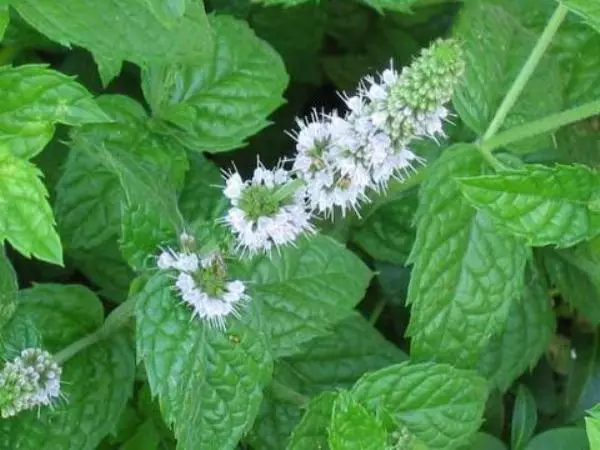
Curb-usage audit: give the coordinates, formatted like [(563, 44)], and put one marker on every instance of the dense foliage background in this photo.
[(123, 112)]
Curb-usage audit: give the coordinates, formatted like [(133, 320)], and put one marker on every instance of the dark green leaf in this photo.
[(588, 9), (524, 419), (306, 289), (4, 19), (440, 405), (312, 431), (217, 105), (209, 381), (543, 205), (560, 439), (8, 288), (466, 274)]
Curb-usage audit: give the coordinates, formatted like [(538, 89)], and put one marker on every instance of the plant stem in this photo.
[(287, 394), (377, 310), (526, 71), (487, 155), (541, 126), (116, 320)]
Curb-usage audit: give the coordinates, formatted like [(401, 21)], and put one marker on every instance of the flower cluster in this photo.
[(32, 379), (202, 283), (267, 211)]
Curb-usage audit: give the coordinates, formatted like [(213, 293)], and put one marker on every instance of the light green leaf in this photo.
[(217, 105), (4, 19), (529, 327), (524, 419), (438, 404), (387, 234), (592, 427), (209, 381), (544, 205), (391, 5), (576, 274), (108, 68), (466, 274), (120, 29), (496, 46), (96, 383), (167, 10), (36, 98), (306, 289), (353, 427), (560, 439), (588, 9), (328, 362), (312, 431), (26, 219), (484, 441), (8, 288)]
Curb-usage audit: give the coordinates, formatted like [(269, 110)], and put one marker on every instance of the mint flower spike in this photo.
[(203, 284), (32, 379), (267, 211)]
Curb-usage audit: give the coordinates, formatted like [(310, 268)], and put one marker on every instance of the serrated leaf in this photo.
[(543, 205), (8, 288), (96, 383), (524, 419), (306, 289), (353, 427), (120, 29), (209, 381), (387, 234), (328, 362), (440, 405), (36, 98), (496, 46), (466, 274), (312, 431), (26, 220), (588, 9), (559, 439), (529, 327), (217, 105), (575, 272)]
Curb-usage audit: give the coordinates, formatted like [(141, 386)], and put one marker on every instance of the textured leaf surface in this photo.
[(312, 431), (529, 327), (34, 99), (209, 381), (353, 427), (306, 289), (328, 362), (217, 105), (8, 288), (26, 219), (440, 405), (466, 274), (96, 383), (496, 45), (588, 9), (387, 234), (543, 205), (120, 29)]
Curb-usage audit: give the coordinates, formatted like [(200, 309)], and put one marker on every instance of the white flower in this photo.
[(266, 214), (185, 262), (234, 187)]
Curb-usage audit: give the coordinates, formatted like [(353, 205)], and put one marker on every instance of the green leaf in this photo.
[(575, 272), (217, 105), (484, 441), (108, 69), (312, 431), (167, 10), (96, 383), (543, 205), (524, 419), (529, 327), (588, 9), (392, 5), (559, 439), (496, 46), (387, 234), (466, 275), (4, 19), (328, 362), (353, 427), (306, 289), (297, 34), (40, 98), (26, 220), (133, 32), (209, 381), (592, 427), (8, 288), (440, 405)]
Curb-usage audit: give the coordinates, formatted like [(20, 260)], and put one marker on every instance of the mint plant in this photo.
[(288, 224)]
